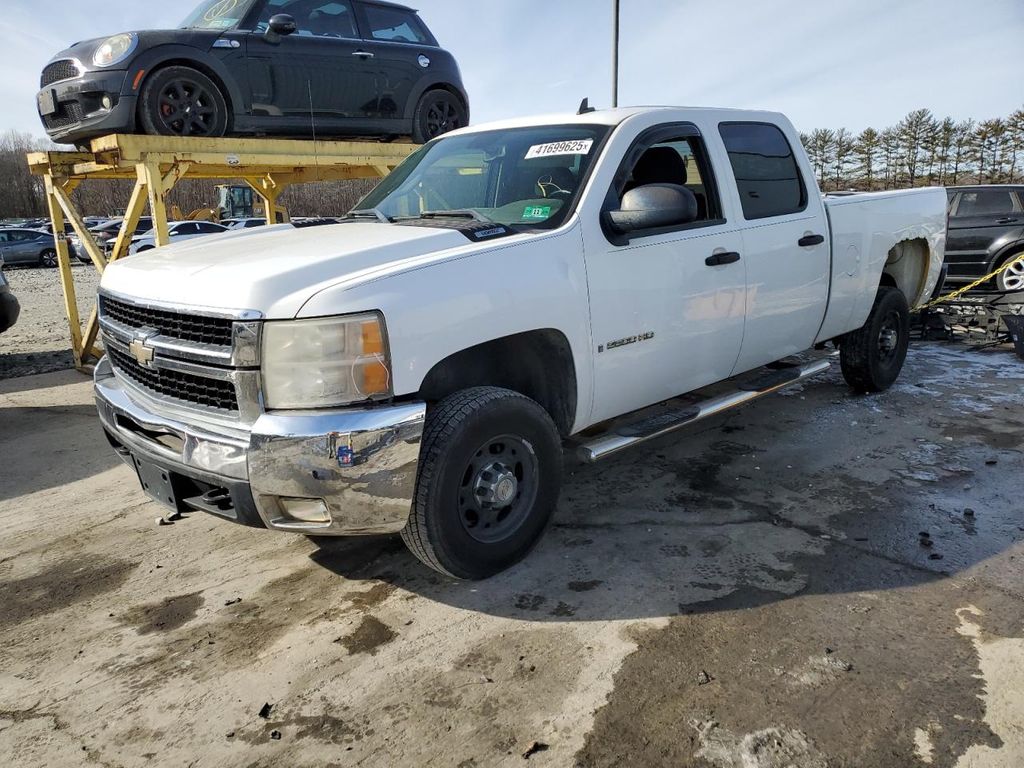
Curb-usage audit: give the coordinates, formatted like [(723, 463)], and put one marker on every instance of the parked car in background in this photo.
[(27, 246), (244, 223), (178, 230), (9, 307), (106, 235), (286, 67), (986, 229)]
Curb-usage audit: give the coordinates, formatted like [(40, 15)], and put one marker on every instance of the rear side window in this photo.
[(984, 202), (765, 169), (395, 25)]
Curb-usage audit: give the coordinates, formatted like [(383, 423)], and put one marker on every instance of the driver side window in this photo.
[(314, 18)]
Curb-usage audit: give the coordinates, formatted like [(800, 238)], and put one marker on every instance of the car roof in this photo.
[(387, 4)]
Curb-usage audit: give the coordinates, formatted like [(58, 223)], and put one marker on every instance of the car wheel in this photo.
[(487, 483), (48, 258), (872, 356), (1011, 279), (437, 112), (181, 101)]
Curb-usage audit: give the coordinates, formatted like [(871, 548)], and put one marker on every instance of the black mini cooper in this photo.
[(303, 68)]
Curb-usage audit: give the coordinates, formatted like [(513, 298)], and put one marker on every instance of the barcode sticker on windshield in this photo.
[(580, 147)]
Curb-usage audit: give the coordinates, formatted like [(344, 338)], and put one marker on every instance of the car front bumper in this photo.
[(9, 308), (80, 112), (359, 462)]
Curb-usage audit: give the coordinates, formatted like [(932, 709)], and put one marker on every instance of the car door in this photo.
[(400, 49), (667, 305), (785, 244), (319, 74), (24, 245), (978, 217)]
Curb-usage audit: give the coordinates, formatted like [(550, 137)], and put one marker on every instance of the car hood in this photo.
[(273, 270), (148, 39)]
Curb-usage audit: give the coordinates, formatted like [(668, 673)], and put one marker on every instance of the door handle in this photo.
[(363, 54), (718, 259), (1005, 221), (809, 240)]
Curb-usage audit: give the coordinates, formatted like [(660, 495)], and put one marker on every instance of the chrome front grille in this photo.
[(55, 71), (174, 325), (204, 360), (187, 387)]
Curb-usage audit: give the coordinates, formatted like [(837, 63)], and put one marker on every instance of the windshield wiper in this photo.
[(369, 213), (457, 213)]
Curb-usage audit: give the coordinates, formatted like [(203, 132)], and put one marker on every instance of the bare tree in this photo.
[(912, 131), (842, 155)]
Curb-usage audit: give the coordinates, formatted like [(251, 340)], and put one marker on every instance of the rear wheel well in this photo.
[(907, 267), (538, 364), (441, 87)]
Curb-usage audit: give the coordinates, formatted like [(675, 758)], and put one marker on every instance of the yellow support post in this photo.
[(269, 191), (64, 263), (78, 224), (157, 201)]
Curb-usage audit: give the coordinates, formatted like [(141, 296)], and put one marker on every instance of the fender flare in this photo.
[(429, 82), (160, 56)]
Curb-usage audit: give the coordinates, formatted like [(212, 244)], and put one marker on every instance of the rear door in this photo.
[(785, 244), (977, 218), (666, 305)]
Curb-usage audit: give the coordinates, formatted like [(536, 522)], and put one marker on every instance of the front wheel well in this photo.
[(538, 364), (198, 67)]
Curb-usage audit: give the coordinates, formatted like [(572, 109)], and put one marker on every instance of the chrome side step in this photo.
[(626, 435)]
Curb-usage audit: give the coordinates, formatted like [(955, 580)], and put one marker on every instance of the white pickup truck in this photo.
[(509, 289)]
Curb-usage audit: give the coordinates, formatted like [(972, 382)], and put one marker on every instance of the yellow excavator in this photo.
[(234, 201)]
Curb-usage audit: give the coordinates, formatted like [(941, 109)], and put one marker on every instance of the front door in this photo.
[(667, 306), (785, 245), (977, 218), (316, 76)]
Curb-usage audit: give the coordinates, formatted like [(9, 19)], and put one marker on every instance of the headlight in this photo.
[(324, 362), (115, 49)]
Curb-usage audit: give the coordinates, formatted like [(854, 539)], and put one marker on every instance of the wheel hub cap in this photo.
[(887, 340), (496, 485)]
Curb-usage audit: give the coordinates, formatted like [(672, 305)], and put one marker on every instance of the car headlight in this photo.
[(115, 49), (324, 362)]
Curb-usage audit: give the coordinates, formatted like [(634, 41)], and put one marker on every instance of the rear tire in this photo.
[(872, 356), (1011, 279), (181, 101), (487, 483), (48, 258), (437, 113)]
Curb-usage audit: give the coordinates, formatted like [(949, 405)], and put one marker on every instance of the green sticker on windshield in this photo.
[(535, 212)]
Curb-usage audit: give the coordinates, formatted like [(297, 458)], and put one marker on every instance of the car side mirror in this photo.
[(653, 206), (280, 25)]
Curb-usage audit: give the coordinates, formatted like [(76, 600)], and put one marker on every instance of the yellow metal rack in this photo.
[(157, 163)]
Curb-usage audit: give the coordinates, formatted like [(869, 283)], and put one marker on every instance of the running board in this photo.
[(628, 434)]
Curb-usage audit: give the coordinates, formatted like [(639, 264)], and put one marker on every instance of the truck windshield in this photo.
[(518, 176), (218, 14)]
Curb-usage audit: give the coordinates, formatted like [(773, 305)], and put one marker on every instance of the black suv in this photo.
[(986, 229), (329, 68)]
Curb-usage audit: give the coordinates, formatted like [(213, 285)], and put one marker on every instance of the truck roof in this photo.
[(616, 116)]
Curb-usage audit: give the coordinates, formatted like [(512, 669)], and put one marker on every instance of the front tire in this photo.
[(487, 483), (872, 356), (437, 113), (181, 101), (48, 258)]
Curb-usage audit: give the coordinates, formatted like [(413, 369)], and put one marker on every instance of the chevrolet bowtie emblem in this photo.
[(143, 354)]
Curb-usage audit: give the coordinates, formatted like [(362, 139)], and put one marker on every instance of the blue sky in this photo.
[(826, 64)]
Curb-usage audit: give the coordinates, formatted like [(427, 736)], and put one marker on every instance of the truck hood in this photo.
[(273, 270)]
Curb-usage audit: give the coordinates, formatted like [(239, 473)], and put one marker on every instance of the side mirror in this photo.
[(280, 25), (652, 206)]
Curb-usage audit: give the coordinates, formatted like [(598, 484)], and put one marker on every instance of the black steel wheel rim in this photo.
[(442, 117), (889, 336), (498, 489), (186, 108)]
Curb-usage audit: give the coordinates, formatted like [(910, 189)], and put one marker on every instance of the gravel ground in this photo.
[(753, 592), (41, 341)]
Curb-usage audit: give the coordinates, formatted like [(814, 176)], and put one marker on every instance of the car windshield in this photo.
[(218, 14), (517, 176)]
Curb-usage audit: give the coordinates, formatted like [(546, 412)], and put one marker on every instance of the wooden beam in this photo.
[(157, 202), (77, 223), (67, 281)]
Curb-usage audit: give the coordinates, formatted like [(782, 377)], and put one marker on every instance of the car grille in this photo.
[(68, 113), (211, 393), (55, 71), (175, 325)]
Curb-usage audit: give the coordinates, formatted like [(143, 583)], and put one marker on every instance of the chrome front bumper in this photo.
[(361, 462)]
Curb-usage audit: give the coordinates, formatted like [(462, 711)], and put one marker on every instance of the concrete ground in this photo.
[(755, 592)]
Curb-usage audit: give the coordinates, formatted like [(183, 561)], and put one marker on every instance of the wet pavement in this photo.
[(817, 579)]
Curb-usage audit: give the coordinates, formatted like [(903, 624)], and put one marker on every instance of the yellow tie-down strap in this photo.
[(961, 291)]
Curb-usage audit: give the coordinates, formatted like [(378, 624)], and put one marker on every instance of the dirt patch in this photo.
[(164, 615), (60, 585), (368, 637)]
